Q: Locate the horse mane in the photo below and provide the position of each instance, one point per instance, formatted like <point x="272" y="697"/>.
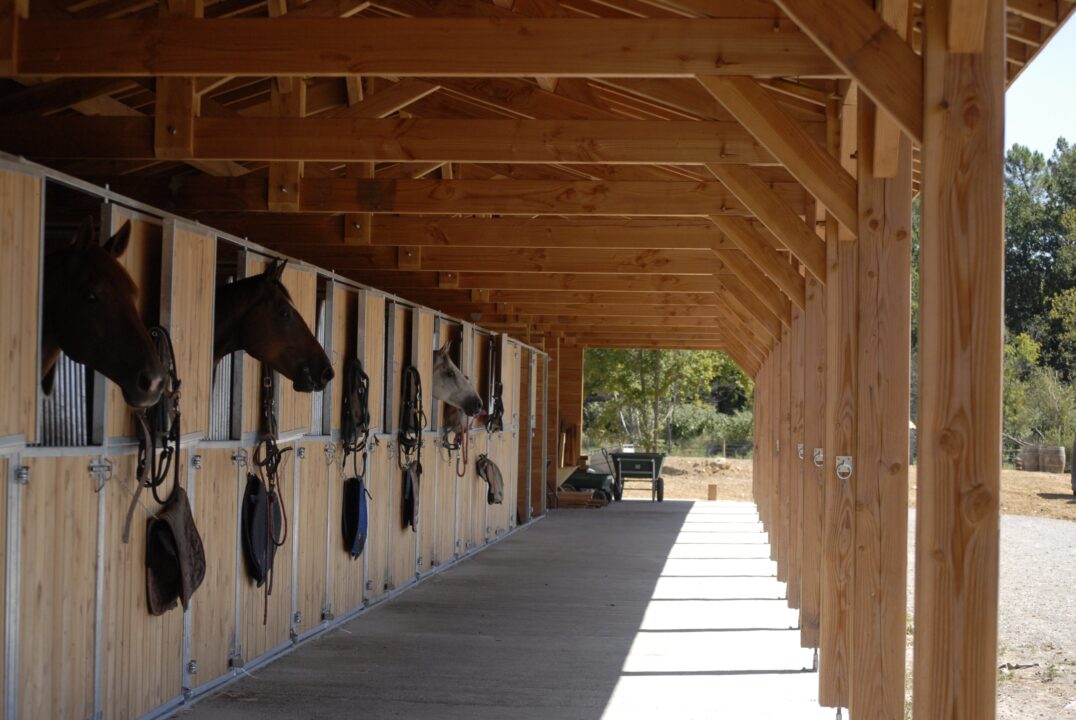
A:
<point x="111" y="271"/>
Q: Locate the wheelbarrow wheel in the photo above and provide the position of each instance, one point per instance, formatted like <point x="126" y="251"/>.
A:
<point x="660" y="487"/>
<point x="618" y="491"/>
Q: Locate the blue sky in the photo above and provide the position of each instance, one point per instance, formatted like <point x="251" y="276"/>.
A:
<point x="1041" y="105"/>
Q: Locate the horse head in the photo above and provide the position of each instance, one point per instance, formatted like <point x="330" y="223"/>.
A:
<point x="90" y="314"/>
<point x="451" y="386"/>
<point x="257" y="315"/>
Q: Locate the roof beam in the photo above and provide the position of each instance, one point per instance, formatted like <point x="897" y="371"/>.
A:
<point x="403" y="280"/>
<point x="755" y="246"/>
<point x="762" y="287"/>
<point x="594" y="232"/>
<point x="866" y="48"/>
<point x="450" y="47"/>
<point x="345" y="136"/>
<point x="803" y="155"/>
<point x="781" y="219"/>
<point x="450" y="197"/>
<point x="515" y="260"/>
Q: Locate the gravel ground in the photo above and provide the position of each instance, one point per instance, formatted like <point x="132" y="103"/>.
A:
<point x="1036" y="618"/>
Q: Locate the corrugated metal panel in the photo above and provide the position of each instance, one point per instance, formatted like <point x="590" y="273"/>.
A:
<point x="63" y="412"/>
<point x="220" y="413"/>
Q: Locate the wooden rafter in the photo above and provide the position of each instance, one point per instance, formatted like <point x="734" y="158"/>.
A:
<point x="781" y="219"/>
<point x="755" y="246"/>
<point x="884" y="65"/>
<point x="333" y="137"/>
<point x="520" y="47"/>
<point x="804" y="156"/>
<point x="443" y="197"/>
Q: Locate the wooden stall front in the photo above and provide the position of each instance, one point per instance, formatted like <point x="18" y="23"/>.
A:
<point x="78" y="635"/>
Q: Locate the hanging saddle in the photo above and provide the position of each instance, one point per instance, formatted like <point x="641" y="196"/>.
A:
<point x="175" y="558"/>
<point x="488" y="471"/>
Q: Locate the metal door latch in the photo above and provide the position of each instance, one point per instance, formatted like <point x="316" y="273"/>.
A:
<point x="819" y="457"/>
<point x="100" y="472"/>
<point x="844" y="470"/>
<point x="301" y="452"/>
<point x="330" y="453"/>
<point x="22" y="475"/>
<point x="239" y="457"/>
<point x="196" y="462"/>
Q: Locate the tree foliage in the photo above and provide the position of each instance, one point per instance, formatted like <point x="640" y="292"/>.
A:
<point x="633" y="393"/>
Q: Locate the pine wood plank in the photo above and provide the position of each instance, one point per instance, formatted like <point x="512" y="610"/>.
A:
<point x="960" y="374"/>
<point x="379" y="46"/>
<point x="804" y="155"/>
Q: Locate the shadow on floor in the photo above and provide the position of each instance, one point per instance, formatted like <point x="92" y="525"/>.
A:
<point x="629" y="611"/>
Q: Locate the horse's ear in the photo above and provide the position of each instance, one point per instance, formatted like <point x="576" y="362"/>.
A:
<point x="117" y="244"/>
<point x="84" y="238"/>
<point x="446" y="348"/>
<point x="276" y="270"/>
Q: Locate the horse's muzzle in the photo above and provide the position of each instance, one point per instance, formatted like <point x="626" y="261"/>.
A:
<point x="306" y="382"/>
<point x="146" y="390"/>
<point x="473" y="406"/>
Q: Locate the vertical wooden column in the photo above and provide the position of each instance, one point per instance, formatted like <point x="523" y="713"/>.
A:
<point x="784" y="507"/>
<point x="814" y="438"/>
<point x="795" y="458"/>
<point x="552" y="347"/>
<point x="288" y="96"/>
<point x="879" y="598"/>
<point x="773" y="452"/>
<point x="10" y="13"/>
<point x="961" y="301"/>
<point x="834" y="668"/>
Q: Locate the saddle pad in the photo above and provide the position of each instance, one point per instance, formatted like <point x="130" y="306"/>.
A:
<point x="356" y="516"/>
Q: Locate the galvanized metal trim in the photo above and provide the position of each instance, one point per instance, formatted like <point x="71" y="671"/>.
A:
<point x="295" y="529"/>
<point x="99" y="607"/>
<point x="188" y="628"/>
<point x="12" y="589"/>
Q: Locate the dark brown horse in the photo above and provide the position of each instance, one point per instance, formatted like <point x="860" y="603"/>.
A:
<point x="90" y="314"/>
<point x="256" y="315"/>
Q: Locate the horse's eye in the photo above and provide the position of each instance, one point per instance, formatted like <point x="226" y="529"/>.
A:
<point x="91" y="296"/>
<point x="286" y="313"/>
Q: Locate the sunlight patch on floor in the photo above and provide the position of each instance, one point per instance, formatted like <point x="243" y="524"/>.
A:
<point x="718" y="639"/>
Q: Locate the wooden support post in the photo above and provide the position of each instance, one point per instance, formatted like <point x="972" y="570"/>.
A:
<point x="879" y="598"/>
<point x="285" y="176"/>
<point x="885" y="154"/>
<point x="11" y="11"/>
<point x="814" y="438"/>
<point x="834" y="668"/>
<point x="784" y="447"/>
<point x="795" y="458"/>
<point x="173" y="126"/>
<point x="960" y="351"/>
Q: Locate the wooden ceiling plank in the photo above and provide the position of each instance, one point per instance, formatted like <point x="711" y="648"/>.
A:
<point x="748" y="238"/>
<point x="372" y="46"/>
<point x="874" y="54"/>
<point x="803" y="155"/>
<point x="781" y="220"/>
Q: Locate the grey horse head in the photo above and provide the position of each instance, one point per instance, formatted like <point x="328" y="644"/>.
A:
<point x="451" y="386"/>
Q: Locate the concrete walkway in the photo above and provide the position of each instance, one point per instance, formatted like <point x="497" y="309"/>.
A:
<point x="638" y="610"/>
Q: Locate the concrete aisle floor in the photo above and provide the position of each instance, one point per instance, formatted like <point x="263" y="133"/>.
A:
<point x="638" y="610"/>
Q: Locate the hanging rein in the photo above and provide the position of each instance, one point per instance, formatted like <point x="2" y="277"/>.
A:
<point x="158" y="430"/>
<point x="355" y="430"/>
<point x="268" y="458"/>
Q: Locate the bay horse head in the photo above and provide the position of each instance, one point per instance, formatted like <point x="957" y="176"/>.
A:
<point x="451" y="386"/>
<point x="256" y="315"/>
<point x="90" y="314"/>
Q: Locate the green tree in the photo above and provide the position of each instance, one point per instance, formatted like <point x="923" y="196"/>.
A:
<point x="642" y="387"/>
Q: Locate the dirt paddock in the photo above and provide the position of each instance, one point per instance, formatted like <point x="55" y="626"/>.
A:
<point x="1034" y="494"/>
